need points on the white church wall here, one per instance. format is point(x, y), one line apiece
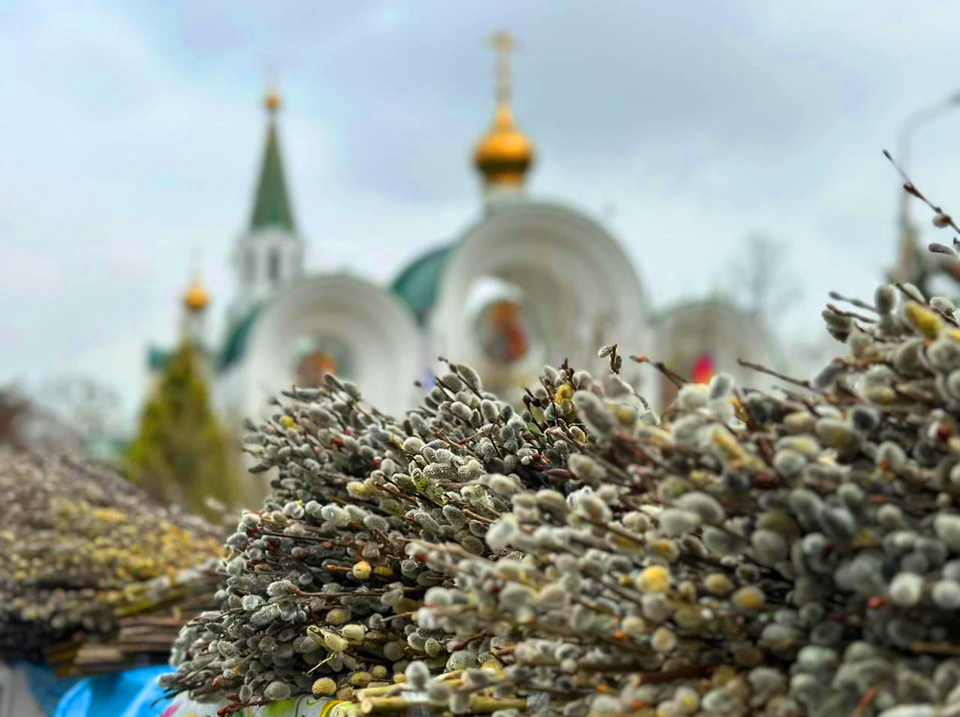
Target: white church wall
point(376, 331)
point(578, 290)
point(228, 394)
point(265, 261)
point(714, 329)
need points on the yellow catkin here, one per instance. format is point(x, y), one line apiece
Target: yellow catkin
point(655, 579)
point(722, 675)
point(666, 549)
point(924, 320)
point(324, 687)
point(338, 616)
point(360, 679)
point(749, 599)
point(730, 450)
point(718, 584)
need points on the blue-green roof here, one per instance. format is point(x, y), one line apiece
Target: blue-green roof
point(271, 205)
point(157, 357)
point(417, 284)
point(107, 447)
point(235, 344)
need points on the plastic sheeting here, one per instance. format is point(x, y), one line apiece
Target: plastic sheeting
point(134, 693)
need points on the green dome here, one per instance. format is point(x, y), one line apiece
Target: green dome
point(417, 284)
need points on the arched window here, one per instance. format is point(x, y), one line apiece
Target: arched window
point(274, 266)
point(315, 357)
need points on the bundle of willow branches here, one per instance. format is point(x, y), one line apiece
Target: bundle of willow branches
point(745, 554)
point(83, 553)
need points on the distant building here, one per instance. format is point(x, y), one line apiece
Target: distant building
point(527, 283)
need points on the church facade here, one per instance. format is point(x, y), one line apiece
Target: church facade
point(528, 282)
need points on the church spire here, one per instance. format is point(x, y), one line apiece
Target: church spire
point(271, 206)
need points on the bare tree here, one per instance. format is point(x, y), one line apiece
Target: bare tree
point(15, 412)
point(760, 279)
point(81, 405)
point(25, 425)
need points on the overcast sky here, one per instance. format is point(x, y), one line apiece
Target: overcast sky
point(131, 134)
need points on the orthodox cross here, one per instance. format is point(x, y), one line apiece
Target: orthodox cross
point(503, 44)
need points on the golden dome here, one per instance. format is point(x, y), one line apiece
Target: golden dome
point(272, 101)
point(196, 298)
point(505, 154)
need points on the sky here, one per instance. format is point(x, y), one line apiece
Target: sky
point(131, 135)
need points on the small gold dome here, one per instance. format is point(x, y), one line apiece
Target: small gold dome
point(272, 101)
point(505, 154)
point(196, 298)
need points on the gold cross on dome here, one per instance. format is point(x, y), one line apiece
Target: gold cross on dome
point(503, 44)
point(196, 259)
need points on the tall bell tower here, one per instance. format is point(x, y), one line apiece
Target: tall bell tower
point(270, 253)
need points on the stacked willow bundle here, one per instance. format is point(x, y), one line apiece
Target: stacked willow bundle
point(83, 550)
point(142, 635)
point(745, 554)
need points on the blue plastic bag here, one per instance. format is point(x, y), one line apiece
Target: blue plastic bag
point(123, 694)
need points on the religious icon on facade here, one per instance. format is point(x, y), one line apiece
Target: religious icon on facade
point(320, 356)
point(504, 331)
point(703, 368)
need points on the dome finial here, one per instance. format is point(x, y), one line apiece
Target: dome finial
point(272, 100)
point(504, 154)
point(196, 297)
